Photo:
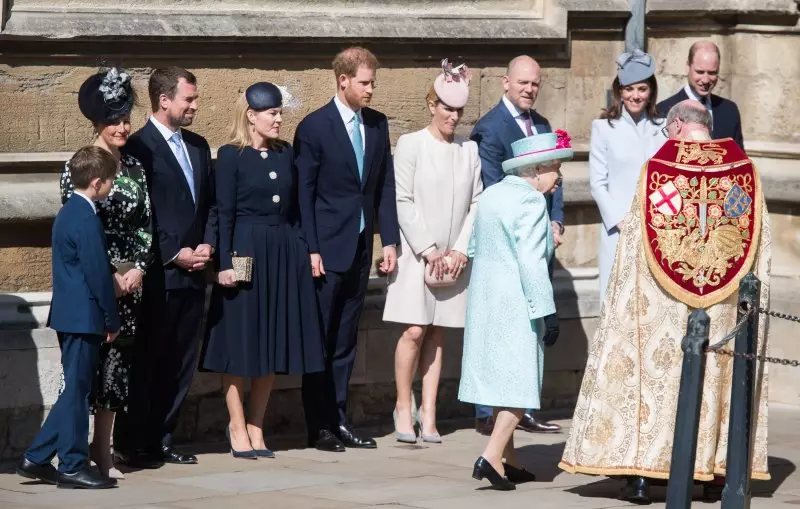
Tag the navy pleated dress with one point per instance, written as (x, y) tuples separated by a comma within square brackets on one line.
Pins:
[(270, 325)]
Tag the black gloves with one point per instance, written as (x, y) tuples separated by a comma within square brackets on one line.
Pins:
[(550, 329)]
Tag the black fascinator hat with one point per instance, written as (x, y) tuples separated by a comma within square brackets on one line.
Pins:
[(263, 96), (106, 96)]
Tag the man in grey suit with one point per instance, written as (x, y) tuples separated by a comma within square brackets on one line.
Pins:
[(513, 119)]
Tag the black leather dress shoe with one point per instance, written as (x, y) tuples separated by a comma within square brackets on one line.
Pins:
[(531, 425), (484, 425), (350, 439), (484, 470), (518, 475), (139, 459), (637, 490), (86, 478), (327, 441), (173, 456), (30, 470)]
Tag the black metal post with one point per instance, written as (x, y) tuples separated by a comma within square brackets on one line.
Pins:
[(736, 494), (687, 420)]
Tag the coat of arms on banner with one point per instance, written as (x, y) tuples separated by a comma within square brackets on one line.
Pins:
[(701, 225)]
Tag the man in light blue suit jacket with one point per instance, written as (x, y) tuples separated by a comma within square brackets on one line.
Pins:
[(513, 119)]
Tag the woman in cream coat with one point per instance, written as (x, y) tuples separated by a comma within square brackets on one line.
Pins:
[(438, 179), (625, 136)]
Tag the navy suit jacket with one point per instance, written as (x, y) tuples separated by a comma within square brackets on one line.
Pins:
[(727, 120), (331, 195), (494, 133), (177, 221), (83, 291)]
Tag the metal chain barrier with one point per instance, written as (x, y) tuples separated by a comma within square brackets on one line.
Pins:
[(717, 347)]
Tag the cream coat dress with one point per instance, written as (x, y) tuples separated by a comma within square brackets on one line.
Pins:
[(438, 185)]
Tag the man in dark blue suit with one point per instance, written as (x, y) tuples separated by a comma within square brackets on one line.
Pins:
[(84, 314), (513, 119), (702, 76), (177, 164), (345, 177)]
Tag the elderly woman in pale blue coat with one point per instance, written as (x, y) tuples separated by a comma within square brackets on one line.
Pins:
[(625, 136), (510, 293)]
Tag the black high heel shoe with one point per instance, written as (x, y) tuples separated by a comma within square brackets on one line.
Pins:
[(518, 475), (250, 455), (484, 470)]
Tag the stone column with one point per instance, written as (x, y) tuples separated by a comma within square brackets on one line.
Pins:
[(634, 31)]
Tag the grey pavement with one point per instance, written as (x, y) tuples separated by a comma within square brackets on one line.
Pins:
[(393, 476)]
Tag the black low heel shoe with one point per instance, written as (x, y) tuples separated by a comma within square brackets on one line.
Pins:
[(250, 455), (483, 470)]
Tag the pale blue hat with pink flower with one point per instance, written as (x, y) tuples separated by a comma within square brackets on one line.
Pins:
[(539, 149)]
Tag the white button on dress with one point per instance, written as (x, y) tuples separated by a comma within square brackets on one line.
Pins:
[(273, 175), (264, 155), (276, 198)]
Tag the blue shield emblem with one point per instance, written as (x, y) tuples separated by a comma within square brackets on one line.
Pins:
[(736, 201)]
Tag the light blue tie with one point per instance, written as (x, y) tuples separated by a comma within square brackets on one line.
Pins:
[(183, 160), (358, 148)]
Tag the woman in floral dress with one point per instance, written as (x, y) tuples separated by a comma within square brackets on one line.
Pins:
[(106, 99)]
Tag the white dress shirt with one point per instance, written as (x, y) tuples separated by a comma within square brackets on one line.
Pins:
[(94, 208), (705, 102), (518, 116), (167, 133), (347, 117)]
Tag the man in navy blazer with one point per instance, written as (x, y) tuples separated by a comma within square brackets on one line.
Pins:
[(177, 165), (84, 313), (345, 177), (702, 76), (511, 120)]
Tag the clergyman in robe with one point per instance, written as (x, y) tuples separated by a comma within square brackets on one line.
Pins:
[(697, 225)]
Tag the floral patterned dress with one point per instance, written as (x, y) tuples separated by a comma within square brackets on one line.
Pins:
[(125, 215)]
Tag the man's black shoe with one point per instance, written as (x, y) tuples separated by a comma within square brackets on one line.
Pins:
[(86, 478), (327, 441), (173, 456), (138, 459), (30, 470), (530, 424), (350, 439)]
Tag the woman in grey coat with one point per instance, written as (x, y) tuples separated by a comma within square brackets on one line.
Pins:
[(625, 136)]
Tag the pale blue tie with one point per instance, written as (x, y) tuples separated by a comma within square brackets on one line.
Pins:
[(183, 161), (358, 148)]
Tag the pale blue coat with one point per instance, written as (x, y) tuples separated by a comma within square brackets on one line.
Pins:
[(509, 294), (618, 152)]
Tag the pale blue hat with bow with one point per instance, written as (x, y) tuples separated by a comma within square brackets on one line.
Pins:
[(635, 67)]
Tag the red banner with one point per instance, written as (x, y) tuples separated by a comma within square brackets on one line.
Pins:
[(701, 208)]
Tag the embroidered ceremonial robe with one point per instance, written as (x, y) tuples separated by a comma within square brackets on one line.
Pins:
[(625, 415)]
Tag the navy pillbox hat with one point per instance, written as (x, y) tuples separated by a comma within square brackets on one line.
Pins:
[(263, 96)]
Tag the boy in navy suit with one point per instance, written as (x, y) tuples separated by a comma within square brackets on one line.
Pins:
[(84, 314)]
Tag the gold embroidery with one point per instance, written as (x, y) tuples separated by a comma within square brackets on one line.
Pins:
[(703, 153), (701, 239), (619, 366)]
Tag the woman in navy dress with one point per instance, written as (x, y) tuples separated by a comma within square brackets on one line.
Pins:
[(271, 324)]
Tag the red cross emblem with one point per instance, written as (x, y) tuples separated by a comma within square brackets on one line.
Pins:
[(667, 199)]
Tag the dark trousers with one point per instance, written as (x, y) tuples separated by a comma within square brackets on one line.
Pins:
[(341, 300), (482, 411), (165, 360), (66, 430)]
